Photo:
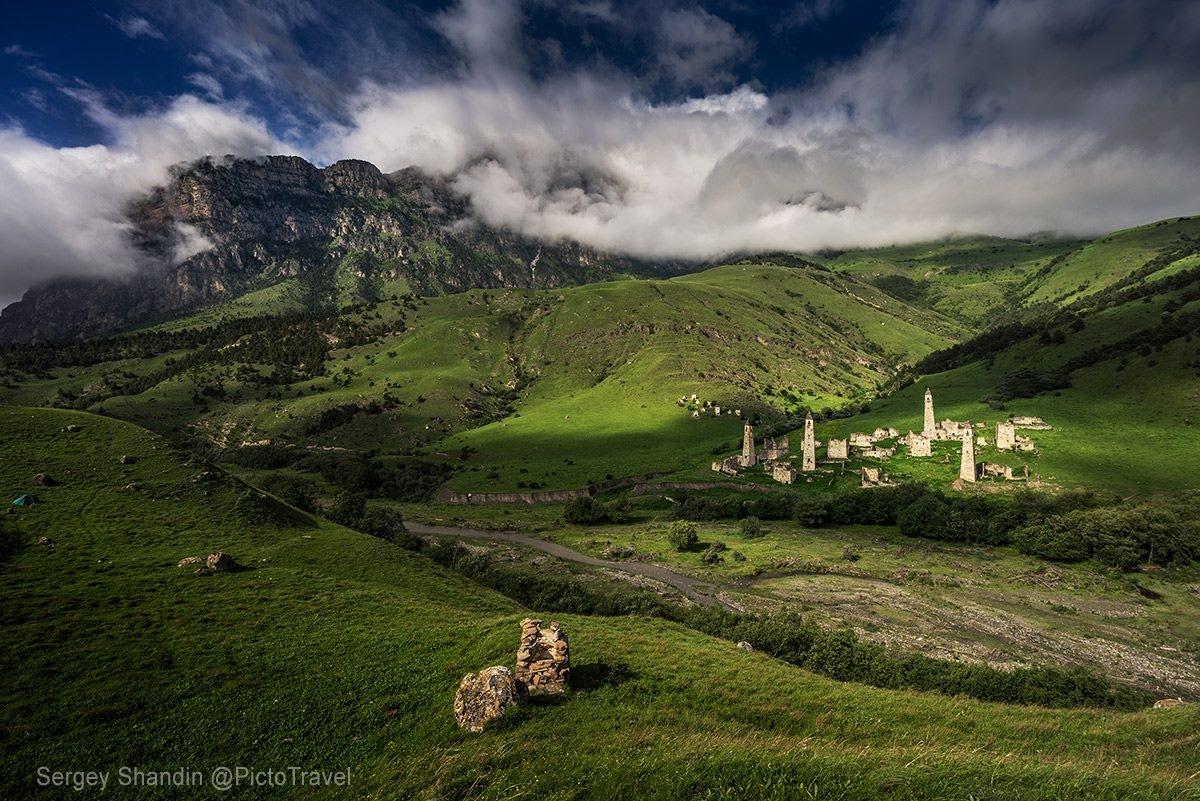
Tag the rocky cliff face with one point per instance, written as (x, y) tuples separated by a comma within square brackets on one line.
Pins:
[(221, 227)]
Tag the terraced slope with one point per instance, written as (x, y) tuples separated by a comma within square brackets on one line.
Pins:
[(338, 650)]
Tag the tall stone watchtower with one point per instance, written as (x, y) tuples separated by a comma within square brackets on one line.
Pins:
[(966, 468), (930, 421), (749, 457), (808, 461)]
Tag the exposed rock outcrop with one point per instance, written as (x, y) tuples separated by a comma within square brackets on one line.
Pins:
[(222, 226)]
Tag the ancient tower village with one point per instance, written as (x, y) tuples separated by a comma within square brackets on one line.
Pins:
[(773, 454)]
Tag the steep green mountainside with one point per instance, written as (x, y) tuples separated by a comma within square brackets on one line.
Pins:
[(1148, 252), (551, 388), (980, 280), (975, 280), (336, 650)]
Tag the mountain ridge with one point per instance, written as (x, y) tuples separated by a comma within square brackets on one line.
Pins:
[(221, 227)]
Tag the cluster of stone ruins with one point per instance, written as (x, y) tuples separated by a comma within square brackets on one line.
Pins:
[(776, 461)]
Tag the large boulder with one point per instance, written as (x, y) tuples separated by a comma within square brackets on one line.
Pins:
[(486, 695), (543, 658), (221, 562)]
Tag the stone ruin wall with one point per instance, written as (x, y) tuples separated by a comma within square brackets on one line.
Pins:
[(543, 658)]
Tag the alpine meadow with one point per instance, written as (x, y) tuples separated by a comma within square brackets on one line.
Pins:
[(498, 399)]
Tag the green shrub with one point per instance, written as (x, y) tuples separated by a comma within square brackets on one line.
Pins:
[(387, 524), (752, 528), (810, 511), (298, 492), (712, 554), (586, 511), (347, 508), (682, 535)]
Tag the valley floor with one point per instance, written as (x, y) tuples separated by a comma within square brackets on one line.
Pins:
[(334, 649), (975, 603)]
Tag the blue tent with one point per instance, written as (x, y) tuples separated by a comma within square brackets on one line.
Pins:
[(25, 500)]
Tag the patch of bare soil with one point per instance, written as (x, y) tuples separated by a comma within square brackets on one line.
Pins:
[(912, 617)]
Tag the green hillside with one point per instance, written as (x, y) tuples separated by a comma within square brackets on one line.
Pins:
[(533, 389), (974, 280), (586, 378), (339, 650), (1149, 251)]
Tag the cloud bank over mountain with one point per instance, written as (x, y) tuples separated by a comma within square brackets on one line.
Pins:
[(1004, 117)]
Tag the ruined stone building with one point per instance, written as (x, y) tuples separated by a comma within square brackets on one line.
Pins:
[(861, 440), (1035, 423), (873, 477), (1006, 436), (967, 470), (749, 456), (877, 453), (783, 473), (885, 433), (808, 461), (775, 449), (919, 445), (838, 449), (991, 470), (730, 465), (930, 420)]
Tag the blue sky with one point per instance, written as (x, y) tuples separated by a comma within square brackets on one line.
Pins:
[(658, 128), (142, 54)]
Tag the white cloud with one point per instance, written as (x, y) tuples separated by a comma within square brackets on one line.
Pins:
[(133, 27), (971, 117), (62, 209), (1003, 117), (189, 241)]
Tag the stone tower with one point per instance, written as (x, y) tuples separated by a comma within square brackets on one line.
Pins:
[(966, 469), (809, 458), (749, 458), (930, 422)]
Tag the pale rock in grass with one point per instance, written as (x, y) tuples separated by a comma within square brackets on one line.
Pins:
[(485, 696)]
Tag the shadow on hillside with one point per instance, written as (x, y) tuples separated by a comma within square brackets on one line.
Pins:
[(594, 675)]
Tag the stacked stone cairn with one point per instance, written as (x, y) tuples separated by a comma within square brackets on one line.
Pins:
[(543, 667), (543, 661)]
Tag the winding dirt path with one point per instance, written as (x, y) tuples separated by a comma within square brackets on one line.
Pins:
[(699, 591)]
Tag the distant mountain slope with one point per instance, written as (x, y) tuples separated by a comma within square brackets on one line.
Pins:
[(582, 381), (223, 227), (1148, 251), (974, 279)]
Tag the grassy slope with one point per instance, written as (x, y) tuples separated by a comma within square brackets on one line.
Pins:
[(598, 369), (1103, 262), (971, 279), (342, 650), (616, 357)]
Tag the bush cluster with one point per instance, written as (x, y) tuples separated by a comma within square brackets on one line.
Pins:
[(1165, 533), (682, 535), (589, 511), (1069, 527)]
